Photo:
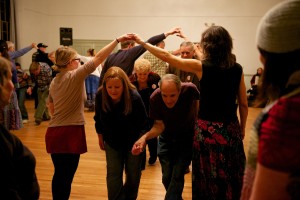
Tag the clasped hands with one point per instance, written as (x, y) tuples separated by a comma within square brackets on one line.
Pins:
[(139, 146)]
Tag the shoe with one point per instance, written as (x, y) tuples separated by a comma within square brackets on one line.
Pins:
[(46, 119), (25, 121), (187, 170), (152, 160), (37, 123)]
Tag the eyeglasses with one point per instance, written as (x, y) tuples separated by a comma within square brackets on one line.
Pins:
[(78, 59)]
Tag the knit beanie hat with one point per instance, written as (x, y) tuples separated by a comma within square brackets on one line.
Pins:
[(279, 29)]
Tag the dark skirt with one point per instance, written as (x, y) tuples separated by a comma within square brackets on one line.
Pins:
[(218, 161), (66, 139)]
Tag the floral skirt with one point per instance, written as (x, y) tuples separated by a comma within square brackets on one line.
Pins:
[(10, 115), (218, 161)]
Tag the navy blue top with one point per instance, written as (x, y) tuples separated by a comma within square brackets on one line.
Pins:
[(121, 131)]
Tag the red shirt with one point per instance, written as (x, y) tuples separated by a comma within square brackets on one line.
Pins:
[(280, 136)]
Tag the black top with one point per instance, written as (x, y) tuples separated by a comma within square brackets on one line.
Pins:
[(219, 90), (125, 58), (121, 131), (17, 169)]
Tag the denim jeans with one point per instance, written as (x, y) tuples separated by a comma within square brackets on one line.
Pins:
[(21, 93), (173, 165), (116, 161), (42, 110)]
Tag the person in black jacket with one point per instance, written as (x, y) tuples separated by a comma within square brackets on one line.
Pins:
[(129, 53), (18, 179), (120, 119)]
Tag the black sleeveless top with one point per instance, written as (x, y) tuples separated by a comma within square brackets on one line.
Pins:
[(218, 95)]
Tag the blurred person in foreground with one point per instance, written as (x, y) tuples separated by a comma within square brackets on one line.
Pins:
[(17, 169), (273, 164)]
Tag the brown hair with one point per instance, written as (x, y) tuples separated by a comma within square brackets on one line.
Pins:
[(5, 68), (91, 52), (112, 73), (126, 43), (216, 44), (4, 49), (278, 68)]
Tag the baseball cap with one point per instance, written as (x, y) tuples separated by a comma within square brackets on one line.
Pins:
[(42, 45)]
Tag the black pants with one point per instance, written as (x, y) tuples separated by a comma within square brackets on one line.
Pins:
[(65, 166), (152, 146)]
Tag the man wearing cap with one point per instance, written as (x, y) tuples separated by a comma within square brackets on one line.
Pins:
[(40, 55)]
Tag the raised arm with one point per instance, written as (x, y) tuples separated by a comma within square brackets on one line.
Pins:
[(105, 51), (189, 65)]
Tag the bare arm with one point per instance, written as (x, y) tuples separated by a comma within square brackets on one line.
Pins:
[(157, 128), (101, 141), (105, 51), (51, 108), (270, 184), (243, 105), (189, 65)]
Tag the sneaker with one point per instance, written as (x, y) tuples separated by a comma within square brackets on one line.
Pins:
[(25, 121), (46, 118), (37, 123)]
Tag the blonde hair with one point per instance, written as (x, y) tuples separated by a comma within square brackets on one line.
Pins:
[(117, 73), (142, 65), (63, 56), (34, 67), (10, 44)]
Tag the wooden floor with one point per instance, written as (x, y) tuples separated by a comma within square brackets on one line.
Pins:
[(90, 179)]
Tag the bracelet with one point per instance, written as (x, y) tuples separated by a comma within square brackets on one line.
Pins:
[(117, 40)]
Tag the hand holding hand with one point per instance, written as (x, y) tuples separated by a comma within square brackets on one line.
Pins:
[(181, 34), (139, 146), (125, 37), (138, 39), (173, 31)]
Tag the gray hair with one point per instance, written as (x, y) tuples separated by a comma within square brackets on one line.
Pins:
[(171, 78)]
